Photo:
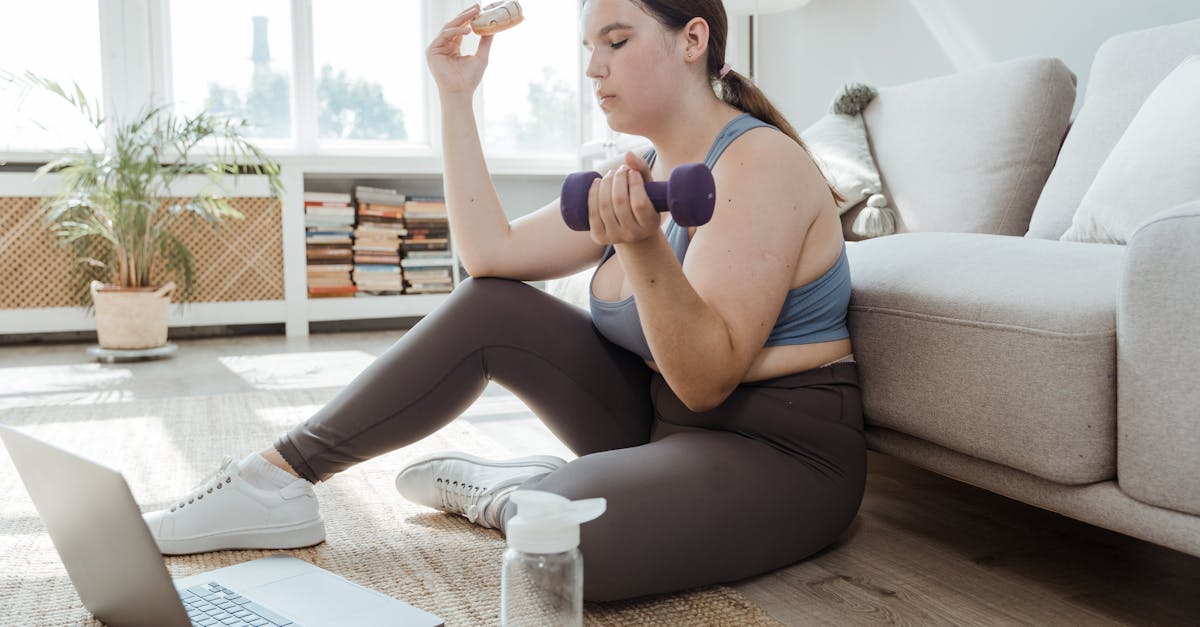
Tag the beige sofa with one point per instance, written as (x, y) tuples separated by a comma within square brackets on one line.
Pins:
[(1062, 374)]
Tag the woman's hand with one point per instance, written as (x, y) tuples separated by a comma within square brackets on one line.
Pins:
[(619, 211), (453, 72)]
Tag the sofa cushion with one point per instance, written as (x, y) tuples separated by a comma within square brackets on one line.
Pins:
[(1126, 69), (838, 144), (969, 152), (1155, 165), (994, 346)]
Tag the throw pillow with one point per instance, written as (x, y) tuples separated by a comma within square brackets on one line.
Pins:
[(1154, 166), (838, 145)]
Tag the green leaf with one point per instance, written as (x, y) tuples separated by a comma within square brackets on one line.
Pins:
[(116, 207)]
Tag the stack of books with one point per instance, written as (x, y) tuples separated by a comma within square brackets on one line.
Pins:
[(328, 226), (428, 262), (377, 241)]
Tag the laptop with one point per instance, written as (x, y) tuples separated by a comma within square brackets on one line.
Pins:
[(121, 578)]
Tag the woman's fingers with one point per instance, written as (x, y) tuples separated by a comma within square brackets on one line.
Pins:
[(453, 71), (456, 28), (604, 208), (622, 211), (632, 207), (452, 35), (451, 31), (639, 202), (636, 162), (446, 42), (597, 226), (484, 49), (619, 209), (464, 17)]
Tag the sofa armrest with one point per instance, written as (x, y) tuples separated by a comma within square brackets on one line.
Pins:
[(1158, 352)]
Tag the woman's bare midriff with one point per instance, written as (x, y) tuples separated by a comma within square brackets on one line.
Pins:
[(820, 249)]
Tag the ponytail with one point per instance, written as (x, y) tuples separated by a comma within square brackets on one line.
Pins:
[(740, 92)]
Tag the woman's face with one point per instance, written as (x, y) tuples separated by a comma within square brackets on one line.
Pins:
[(632, 64)]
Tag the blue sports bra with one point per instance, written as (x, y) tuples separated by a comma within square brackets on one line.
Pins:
[(811, 313)]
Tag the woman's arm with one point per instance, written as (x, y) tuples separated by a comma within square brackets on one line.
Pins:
[(477, 220), (538, 246), (706, 321), (534, 247)]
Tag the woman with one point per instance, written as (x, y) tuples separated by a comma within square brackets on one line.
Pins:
[(711, 396)]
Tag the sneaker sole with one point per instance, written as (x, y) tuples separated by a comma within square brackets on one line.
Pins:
[(549, 462), (289, 537)]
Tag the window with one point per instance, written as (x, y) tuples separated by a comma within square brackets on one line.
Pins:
[(311, 77), (369, 65), (234, 57), (531, 91), (34, 37)]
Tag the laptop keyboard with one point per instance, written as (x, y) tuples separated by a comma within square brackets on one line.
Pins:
[(213, 604)]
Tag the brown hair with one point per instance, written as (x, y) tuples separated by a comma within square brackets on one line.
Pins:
[(736, 89)]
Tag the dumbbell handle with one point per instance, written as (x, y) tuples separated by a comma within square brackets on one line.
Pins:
[(657, 191), (689, 195)]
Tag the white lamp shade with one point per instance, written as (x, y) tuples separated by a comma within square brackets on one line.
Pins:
[(760, 7)]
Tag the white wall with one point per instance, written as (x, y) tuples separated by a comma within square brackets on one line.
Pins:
[(807, 54)]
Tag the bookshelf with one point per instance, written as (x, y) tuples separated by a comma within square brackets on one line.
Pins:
[(520, 192)]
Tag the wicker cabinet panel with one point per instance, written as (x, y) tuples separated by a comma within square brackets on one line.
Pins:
[(240, 261)]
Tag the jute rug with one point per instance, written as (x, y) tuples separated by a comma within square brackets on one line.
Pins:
[(438, 562)]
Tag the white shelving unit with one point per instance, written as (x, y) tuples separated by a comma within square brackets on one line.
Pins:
[(520, 192), (402, 306)]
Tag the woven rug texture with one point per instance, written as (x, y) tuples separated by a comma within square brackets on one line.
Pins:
[(435, 561)]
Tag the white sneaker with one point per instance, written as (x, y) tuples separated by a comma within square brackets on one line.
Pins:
[(226, 512), (464, 484)]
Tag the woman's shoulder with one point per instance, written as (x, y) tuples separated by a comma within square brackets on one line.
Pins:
[(764, 155), (762, 142)]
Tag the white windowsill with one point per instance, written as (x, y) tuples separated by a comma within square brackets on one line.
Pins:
[(380, 163)]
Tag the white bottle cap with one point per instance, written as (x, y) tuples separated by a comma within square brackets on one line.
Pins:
[(548, 523)]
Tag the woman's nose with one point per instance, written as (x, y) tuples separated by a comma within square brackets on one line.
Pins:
[(596, 69)]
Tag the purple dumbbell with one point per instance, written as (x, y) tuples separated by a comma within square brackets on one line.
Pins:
[(689, 195)]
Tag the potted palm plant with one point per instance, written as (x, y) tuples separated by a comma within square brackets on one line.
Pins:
[(118, 209)]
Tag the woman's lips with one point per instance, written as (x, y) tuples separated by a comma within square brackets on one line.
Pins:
[(606, 99)]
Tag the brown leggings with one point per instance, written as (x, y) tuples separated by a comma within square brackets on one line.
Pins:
[(767, 478)]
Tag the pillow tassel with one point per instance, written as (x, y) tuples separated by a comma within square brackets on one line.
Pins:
[(854, 98), (875, 219)]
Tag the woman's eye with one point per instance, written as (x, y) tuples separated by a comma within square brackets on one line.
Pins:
[(618, 44)]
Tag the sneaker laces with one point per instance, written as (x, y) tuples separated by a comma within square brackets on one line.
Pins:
[(215, 480), (460, 498)]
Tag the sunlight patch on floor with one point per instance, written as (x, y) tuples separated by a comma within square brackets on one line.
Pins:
[(502, 404), (63, 384), (496, 404), (295, 371)]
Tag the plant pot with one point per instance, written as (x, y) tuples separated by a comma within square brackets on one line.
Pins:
[(131, 318)]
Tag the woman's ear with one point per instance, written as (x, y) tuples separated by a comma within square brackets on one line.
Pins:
[(695, 42)]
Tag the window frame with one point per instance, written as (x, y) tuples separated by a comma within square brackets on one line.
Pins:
[(135, 49)]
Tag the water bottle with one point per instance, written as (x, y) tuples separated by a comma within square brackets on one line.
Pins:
[(542, 579)]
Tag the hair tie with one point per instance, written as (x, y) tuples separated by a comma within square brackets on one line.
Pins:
[(724, 70)]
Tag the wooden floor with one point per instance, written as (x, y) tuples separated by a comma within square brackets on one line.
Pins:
[(924, 550), (928, 550)]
